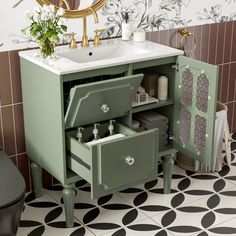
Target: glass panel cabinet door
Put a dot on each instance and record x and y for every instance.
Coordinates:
(195, 104)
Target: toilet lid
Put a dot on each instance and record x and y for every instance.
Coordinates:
(12, 184)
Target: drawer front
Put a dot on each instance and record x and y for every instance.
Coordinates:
(115, 165)
(99, 101)
(127, 160)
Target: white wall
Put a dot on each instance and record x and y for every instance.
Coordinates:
(157, 15)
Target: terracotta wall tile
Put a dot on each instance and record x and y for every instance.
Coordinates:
(8, 130)
(13, 158)
(19, 125)
(149, 36)
(154, 36)
(205, 43)
(231, 115)
(231, 83)
(233, 58)
(55, 181)
(197, 30)
(23, 166)
(1, 130)
(219, 82)
(234, 118)
(220, 43)
(47, 179)
(224, 83)
(5, 86)
(228, 41)
(15, 75)
(173, 40)
(164, 35)
(212, 43)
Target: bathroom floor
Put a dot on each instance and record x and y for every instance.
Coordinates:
(199, 204)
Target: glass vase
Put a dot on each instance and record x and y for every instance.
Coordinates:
(47, 49)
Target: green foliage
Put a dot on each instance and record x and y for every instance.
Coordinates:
(45, 28)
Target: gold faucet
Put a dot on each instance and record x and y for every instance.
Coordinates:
(85, 42)
(96, 40)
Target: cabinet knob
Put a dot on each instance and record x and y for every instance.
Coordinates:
(105, 108)
(129, 160)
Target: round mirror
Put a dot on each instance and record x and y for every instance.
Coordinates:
(75, 8)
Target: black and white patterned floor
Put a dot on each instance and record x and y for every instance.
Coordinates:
(199, 205)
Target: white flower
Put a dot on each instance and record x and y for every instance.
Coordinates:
(37, 10)
(60, 22)
(60, 12)
(52, 8)
(29, 14)
(44, 16)
(51, 15)
(46, 9)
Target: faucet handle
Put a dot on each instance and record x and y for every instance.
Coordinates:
(73, 43)
(97, 34)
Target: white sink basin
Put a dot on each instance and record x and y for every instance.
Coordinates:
(111, 52)
(102, 52)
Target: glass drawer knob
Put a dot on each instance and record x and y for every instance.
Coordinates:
(129, 160)
(105, 108)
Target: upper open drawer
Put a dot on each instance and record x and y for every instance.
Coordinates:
(100, 101)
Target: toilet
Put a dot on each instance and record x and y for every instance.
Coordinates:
(12, 194)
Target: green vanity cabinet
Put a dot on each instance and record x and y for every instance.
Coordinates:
(56, 105)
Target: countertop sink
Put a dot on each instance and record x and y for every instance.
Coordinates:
(110, 53)
(102, 52)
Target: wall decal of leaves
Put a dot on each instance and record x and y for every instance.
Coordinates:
(142, 15)
(215, 14)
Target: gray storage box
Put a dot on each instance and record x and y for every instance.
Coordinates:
(151, 119)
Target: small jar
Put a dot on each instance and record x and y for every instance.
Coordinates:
(162, 88)
(139, 36)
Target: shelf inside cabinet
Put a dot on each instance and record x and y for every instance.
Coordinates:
(152, 103)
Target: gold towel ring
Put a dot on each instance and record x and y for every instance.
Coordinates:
(184, 33)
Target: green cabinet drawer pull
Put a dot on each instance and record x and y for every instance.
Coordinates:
(129, 160)
(105, 108)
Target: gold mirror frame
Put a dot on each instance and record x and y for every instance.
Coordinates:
(75, 13)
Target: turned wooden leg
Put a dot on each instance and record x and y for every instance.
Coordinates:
(168, 163)
(36, 170)
(68, 194)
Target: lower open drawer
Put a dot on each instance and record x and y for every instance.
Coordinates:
(113, 165)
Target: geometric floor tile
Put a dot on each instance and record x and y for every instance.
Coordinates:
(200, 204)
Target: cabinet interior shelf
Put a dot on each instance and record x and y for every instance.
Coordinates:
(152, 103)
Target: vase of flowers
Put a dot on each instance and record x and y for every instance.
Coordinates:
(45, 28)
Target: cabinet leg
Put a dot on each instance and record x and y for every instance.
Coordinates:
(37, 179)
(168, 163)
(68, 194)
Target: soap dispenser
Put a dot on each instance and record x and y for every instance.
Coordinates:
(111, 127)
(126, 28)
(95, 132)
(79, 135)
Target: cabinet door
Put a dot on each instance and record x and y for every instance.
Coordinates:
(195, 104)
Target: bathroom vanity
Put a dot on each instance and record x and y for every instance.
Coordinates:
(94, 85)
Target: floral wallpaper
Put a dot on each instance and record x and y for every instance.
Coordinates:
(148, 15)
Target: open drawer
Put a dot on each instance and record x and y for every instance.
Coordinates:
(114, 165)
(100, 101)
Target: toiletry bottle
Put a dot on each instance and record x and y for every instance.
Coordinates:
(80, 135)
(95, 132)
(162, 88)
(126, 27)
(111, 127)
